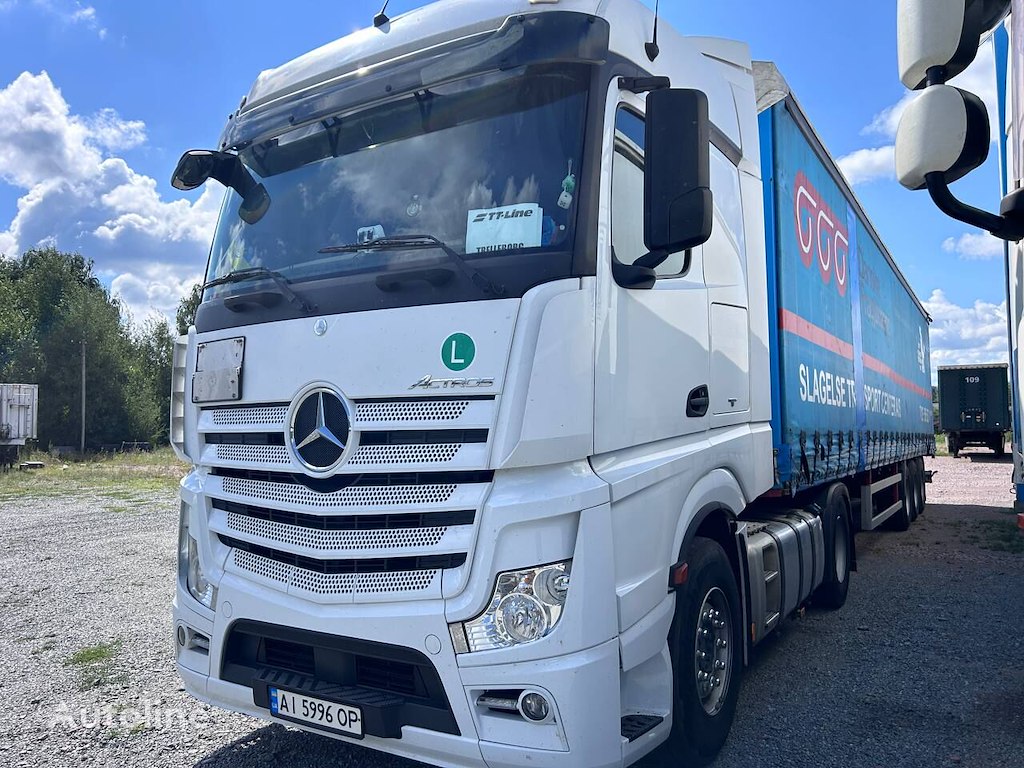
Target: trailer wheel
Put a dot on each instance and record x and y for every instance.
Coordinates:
(999, 447)
(915, 497)
(706, 645)
(836, 516)
(902, 519)
(919, 463)
(951, 444)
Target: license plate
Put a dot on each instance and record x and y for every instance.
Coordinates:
(329, 715)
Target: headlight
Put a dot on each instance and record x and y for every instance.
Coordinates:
(525, 606)
(188, 561)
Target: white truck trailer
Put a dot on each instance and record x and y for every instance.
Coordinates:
(19, 407)
(542, 369)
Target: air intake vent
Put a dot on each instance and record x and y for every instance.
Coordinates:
(259, 454)
(336, 540)
(405, 454)
(387, 676)
(353, 496)
(291, 656)
(411, 410)
(263, 415)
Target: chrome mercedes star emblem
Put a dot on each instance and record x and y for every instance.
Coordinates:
(320, 429)
(320, 326)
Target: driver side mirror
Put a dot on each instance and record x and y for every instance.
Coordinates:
(198, 165)
(678, 211)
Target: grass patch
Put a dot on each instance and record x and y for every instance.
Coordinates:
(121, 476)
(998, 536)
(93, 654)
(95, 664)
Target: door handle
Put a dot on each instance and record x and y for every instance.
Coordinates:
(697, 401)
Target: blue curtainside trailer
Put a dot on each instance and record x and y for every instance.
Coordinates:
(851, 389)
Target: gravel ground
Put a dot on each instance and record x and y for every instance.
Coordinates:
(919, 669)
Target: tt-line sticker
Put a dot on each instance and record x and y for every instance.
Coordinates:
(504, 229)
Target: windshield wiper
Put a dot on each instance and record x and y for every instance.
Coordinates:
(476, 277)
(253, 273)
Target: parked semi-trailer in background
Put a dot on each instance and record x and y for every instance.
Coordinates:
(542, 370)
(19, 406)
(974, 406)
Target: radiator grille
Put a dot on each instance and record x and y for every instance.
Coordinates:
(260, 415)
(444, 410)
(335, 584)
(396, 515)
(353, 496)
(405, 454)
(336, 540)
(257, 454)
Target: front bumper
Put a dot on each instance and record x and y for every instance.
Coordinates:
(577, 667)
(584, 731)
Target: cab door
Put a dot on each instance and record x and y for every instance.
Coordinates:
(652, 344)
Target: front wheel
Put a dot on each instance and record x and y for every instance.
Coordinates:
(705, 643)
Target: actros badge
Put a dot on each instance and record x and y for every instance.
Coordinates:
(429, 382)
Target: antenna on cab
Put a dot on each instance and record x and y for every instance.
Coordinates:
(381, 18)
(652, 47)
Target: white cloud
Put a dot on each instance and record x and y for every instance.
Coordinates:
(78, 196)
(886, 121)
(155, 288)
(866, 165)
(974, 247)
(68, 12)
(966, 335)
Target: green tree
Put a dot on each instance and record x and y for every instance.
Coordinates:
(58, 306)
(187, 309)
(155, 348)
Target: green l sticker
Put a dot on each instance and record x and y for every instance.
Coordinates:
(458, 352)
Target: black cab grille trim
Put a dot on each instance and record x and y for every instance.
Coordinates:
(363, 479)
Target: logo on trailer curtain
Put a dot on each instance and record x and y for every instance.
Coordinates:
(821, 235)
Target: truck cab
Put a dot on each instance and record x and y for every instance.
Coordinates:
(479, 397)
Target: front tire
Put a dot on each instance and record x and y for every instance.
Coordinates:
(705, 643)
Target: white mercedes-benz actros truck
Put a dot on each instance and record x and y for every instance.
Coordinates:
(545, 364)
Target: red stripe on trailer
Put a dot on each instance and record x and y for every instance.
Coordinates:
(798, 326)
(879, 367)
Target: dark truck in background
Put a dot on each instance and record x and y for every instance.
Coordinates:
(974, 406)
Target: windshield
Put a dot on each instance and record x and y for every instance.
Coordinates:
(489, 166)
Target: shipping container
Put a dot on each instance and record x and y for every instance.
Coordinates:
(851, 386)
(974, 405)
(19, 405)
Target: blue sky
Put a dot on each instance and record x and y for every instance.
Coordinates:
(100, 98)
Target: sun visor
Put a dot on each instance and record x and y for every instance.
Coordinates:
(523, 39)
